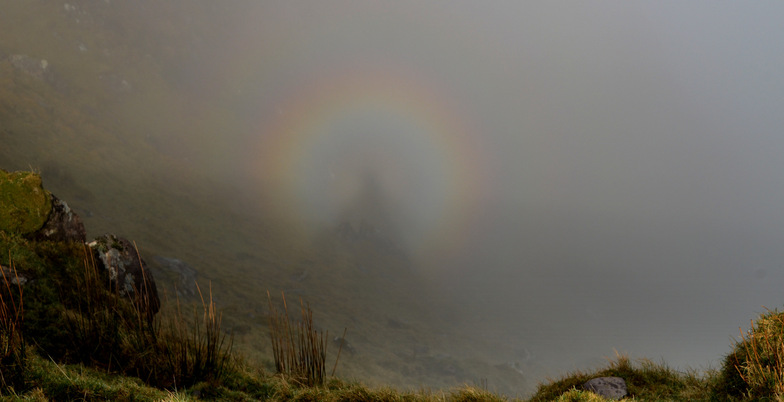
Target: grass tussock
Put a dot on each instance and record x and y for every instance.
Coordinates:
(755, 367)
(200, 350)
(645, 379)
(122, 334)
(299, 349)
(12, 343)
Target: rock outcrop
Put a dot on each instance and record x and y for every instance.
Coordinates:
(128, 273)
(27, 210)
(63, 224)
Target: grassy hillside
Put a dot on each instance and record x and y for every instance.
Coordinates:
(105, 101)
(66, 332)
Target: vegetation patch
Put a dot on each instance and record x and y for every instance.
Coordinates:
(755, 367)
(24, 204)
(12, 343)
(299, 349)
(645, 380)
(66, 334)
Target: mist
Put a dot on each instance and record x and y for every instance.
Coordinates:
(625, 156)
(564, 180)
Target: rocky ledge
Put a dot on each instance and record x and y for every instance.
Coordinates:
(29, 211)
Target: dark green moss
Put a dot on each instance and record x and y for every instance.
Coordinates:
(24, 204)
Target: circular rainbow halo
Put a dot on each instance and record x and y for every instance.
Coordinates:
(376, 148)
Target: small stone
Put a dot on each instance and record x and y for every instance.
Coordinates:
(607, 387)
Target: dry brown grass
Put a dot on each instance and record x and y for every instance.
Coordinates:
(763, 347)
(12, 345)
(298, 348)
(197, 350)
(123, 333)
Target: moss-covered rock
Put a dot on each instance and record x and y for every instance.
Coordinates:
(24, 204)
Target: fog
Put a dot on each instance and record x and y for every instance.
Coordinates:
(568, 179)
(606, 175)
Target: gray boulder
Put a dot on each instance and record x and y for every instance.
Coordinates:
(63, 224)
(607, 387)
(128, 273)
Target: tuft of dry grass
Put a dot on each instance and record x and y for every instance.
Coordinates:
(198, 350)
(299, 350)
(763, 349)
(124, 334)
(12, 345)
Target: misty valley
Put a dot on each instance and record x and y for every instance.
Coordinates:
(515, 199)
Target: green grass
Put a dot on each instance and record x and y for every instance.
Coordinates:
(755, 367)
(645, 380)
(48, 380)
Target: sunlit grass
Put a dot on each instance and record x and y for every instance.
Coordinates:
(645, 380)
(57, 381)
(755, 367)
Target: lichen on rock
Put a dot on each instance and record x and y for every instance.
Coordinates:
(63, 224)
(24, 204)
(128, 272)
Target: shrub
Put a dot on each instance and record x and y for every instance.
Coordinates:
(755, 367)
